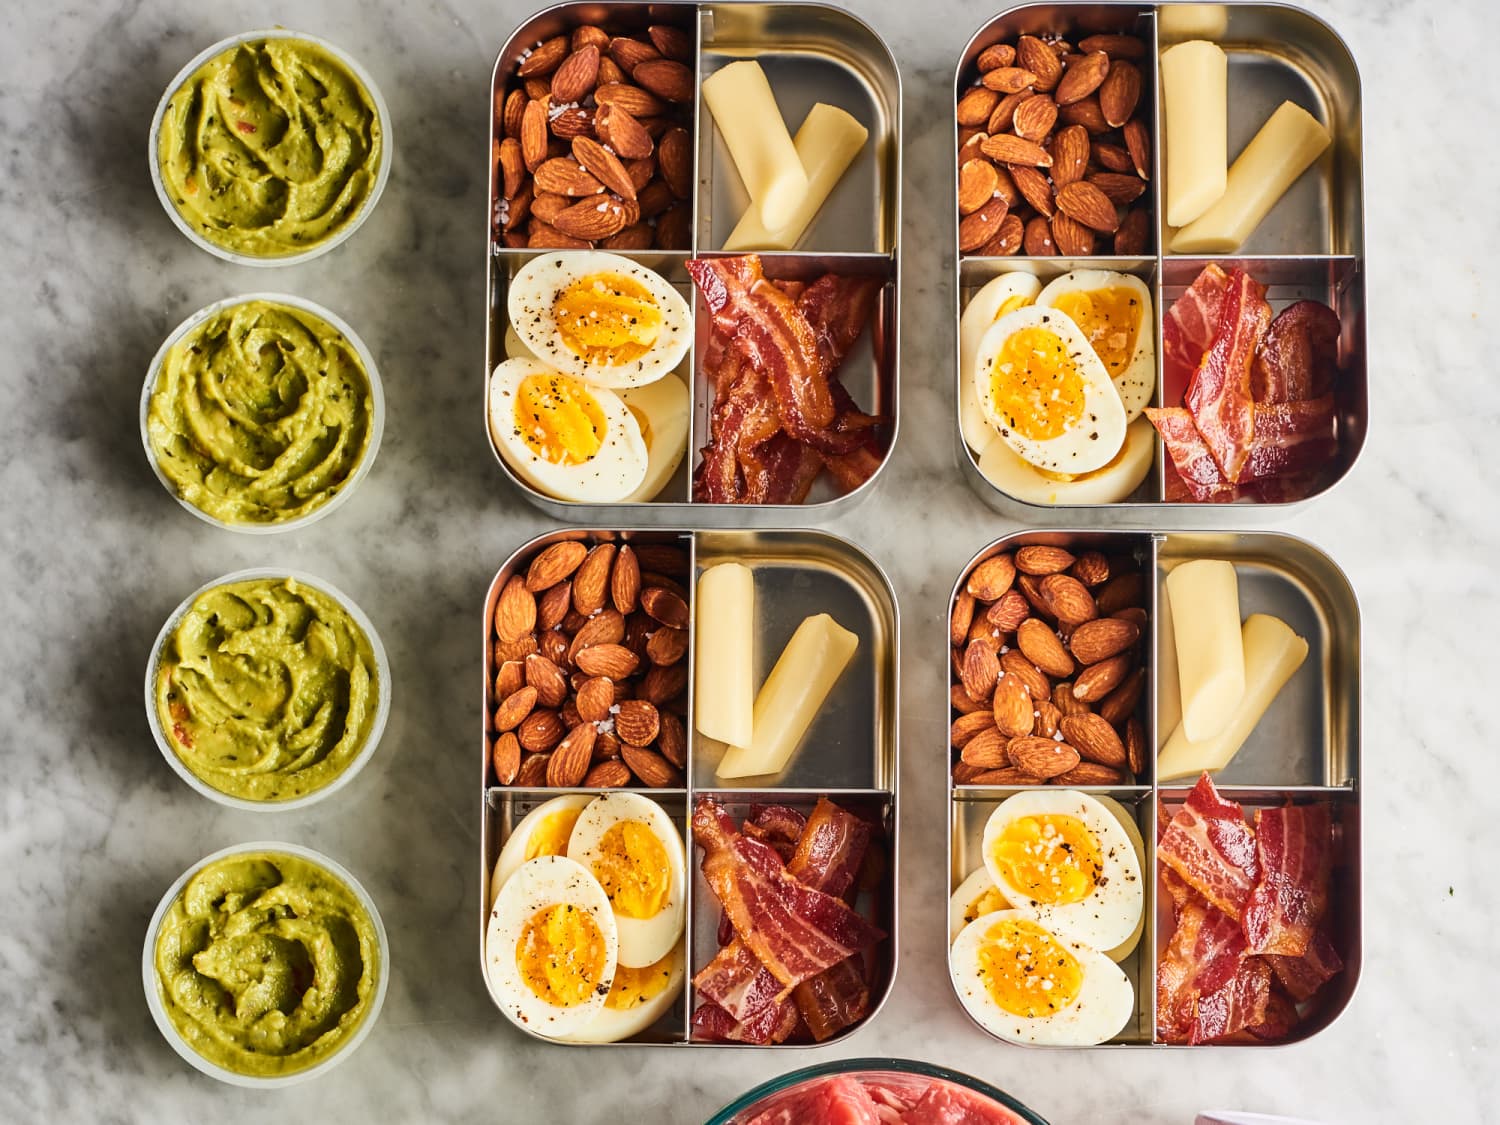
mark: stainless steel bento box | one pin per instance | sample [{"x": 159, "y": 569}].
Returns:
[
  {"x": 1306, "y": 748},
  {"x": 1310, "y": 246},
  {"x": 849, "y": 753},
  {"x": 810, "y": 53}
]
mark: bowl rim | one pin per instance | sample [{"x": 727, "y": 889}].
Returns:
[
  {"x": 383, "y": 679},
  {"x": 372, "y": 376},
  {"x": 382, "y": 172},
  {"x": 152, "y": 984},
  {"x": 748, "y": 1100}
]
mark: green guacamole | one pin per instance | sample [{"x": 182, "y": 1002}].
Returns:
[
  {"x": 260, "y": 414},
  {"x": 270, "y": 148},
  {"x": 267, "y": 689},
  {"x": 266, "y": 963}
]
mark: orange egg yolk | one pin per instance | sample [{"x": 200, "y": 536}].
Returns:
[
  {"x": 560, "y": 421},
  {"x": 633, "y": 868},
  {"x": 561, "y": 954},
  {"x": 1027, "y": 971},
  {"x": 1051, "y": 858},
  {"x": 1035, "y": 384},
  {"x": 634, "y": 987},
  {"x": 987, "y": 903},
  {"x": 607, "y": 319},
  {"x": 1110, "y": 318},
  {"x": 551, "y": 835}
]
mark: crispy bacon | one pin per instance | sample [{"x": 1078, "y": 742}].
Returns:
[
  {"x": 1188, "y": 328},
  {"x": 1292, "y": 845},
  {"x": 831, "y": 848},
  {"x": 1209, "y": 844},
  {"x": 1219, "y": 395},
  {"x": 833, "y": 1000},
  {"x": 1203, "y": 957},
  {"x": 1299, "y": 358},
  {"x": 1280, "y": 1018},
  {"x": 780, "y": 470},
  {"x": 1239, "y": 1003},
  {"x": 773, "y": 1023},
  {"x": 776, "y": 825},
  {"x": 1303, "y": 976},
  {"x": 1292, "y": 441},
  {"x": 736, "y": 981}
]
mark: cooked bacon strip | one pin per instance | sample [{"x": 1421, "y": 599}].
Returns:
[
  {"x": 833, "y": 1000},
  {"x": 1193, "y": 466},
  {"x": 1219, "y": 395},
  {"x": 831, "y": 848},
  {"x": 1292, "y": 846},
  {"x": 1299, "y": 358},
  {"x": 838, "y": 306},
  {"x": 773, "y": 1023},
  {"x": 780, "y": 470},
  {"x": 1203, "y": 957},
  {"x": 1280, "y": 1019},
  {"x": 1293, "y": 439},
  {"x": 1303, "y": 976},
  {"x": 794, "y": 931},
  {"x": 776, "y": 825},
  {"x": 737, "y": 982},
  {"x": 1209, "y": 844},
  {"x": 1187, "y": 330},
  {"x": 1239, "y": 1003}
]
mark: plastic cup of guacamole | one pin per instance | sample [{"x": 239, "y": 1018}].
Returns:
[
  {"x": 261, "y": 413},
  {"x": 270, "y": 147},
  {"x": 267, "y": 689},
  {"x": 265, "y": 964}
]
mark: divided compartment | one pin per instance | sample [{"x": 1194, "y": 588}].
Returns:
[
  {"x": 1310, "y": 245},
  {"x": 849, "y": 753},
  {"x": 810, "y": 53},
  {"x": 1305, "y": 748}
]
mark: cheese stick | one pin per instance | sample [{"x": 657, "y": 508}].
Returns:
[
  {"x": 724, "y": 694},
  {"x": 1287, "y": 144},
  {"x": 826, "y": 144},
  {"x": 745, "y": 111},
  {"x": 1177, "y": 22},
  {"x": 1272, "y": 653},
  {"x": 1210, "y": 660},
  {"x": 1194, "y": 81},
  {"x": 1168, "y": 681},
  {"x": 791, "y": 697}
]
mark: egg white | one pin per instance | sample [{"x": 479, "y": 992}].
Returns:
[
  {"x": 1104, "y": 1005},
  {"x": 1007, "y": 471},
  {"x": 613, "y": 473},
  {"x": 643, "y": 941},
  {"x": 976, "y": 884},
  {"x": 614, "y": 1024},
  {"x": 1001, "y": 294},
  {"x": 1113, "y": 910},
  {"x": 1087, "y": 443},
  {"x": 515, "y": 347},
  {"x": 537, "y": 884},
  {"x": 530, "y": 304},
  {"x": 666, "y": 408},
  {"x": 1133, "y": 831},
  {"x": 513, "y": 853},
  {"x": 1137, "y": 382}
]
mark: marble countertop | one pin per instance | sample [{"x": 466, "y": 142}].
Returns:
[{"x": 95, "y": 826}]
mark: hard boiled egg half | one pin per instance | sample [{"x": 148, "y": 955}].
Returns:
[
  {"x": 545, "y": 830},
  {"x": 1113, "y": 311},
  {"x": 999, "y": 296},
  {"x": 637, "y": 999},
  {"x": 599, "y": 317},
  {"x": 1027, "y": 983},
  {"x": 1042, "y": 387},
  {"x": 661, "y": 409},
  {"x": 1003, "y": 467},
  {"x": 567, "y": 438}
]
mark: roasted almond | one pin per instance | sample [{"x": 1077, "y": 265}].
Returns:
[
  {"x": 592, "y": 579},
  {"x": 986, "y": 750},
  {"x": 637, "y": 722},
  {"x": 1112, "y": 157},
  {"x": 565, "y": 176},
  {"x": 674, "y": 227},
  {"x": 672, "y": 42},
  {"x": 1015, "y": 665},
  {"x": 533, "y": 771},
  {"x": 675, "y": 157},
  {"x": 1085, "y": 113},
  {"x": 668, "y": 79},
  {"x": 1007, "y": 775},
  {"x": 962, "y": 702},
  {"x": 1003, "y": 117},
  {"x": 593, "y": 218},
  {"x": 512, "y": 166},
  {"x": 596, "y": 695},
  {"x": 1122, "y": 591},
  {"x": 1047, "y": 718},
  {"x": 1135, "y": 745},
  {"x": 553, "y": 564},
  {"x": 571, "y": 759},
  {"x": 667, "y": 645},
  {"x": 590, "y": 35},
  {"x": 551, "y": 685},
  {"x": 516, "y": 650},
  {"x": 613, "y": 660},
  {"x": 1119, "y": 188},
  {"x": 967, "y": 726},
  {"x": 997, "y": 55},
  {"x": 544, "y": 58},
  {"x": 541, "y": 730},
  {"x": 637, "y": 236},
  {"x": 1034, "y": 188},
  {"x": 980, "y": 669},
  {"x": 975, "y": 229},
  {"x": 1098, "y": 680},
  {"x": 623, "y": 133},
  {"x": 1007, "y": 239},
  {"x": 1007, "y": 79},
  {"x": 1015, "y": 150},
  {"x": 1039, "y": 58},
  {"x": 604, "y": 166},
  {"x": 510, "y": 115},
  {"x": 1115, "y": 46},
  {"x": 571, "y": 121},
  {"x": 1138, "y": 144},
  {"x": 1090, "y": 773},
  {"x": 663, "y": 683},
  {"x": 1082, "y": 78},
  {"x": 609, "y": 774},
  {"x": 1094, "y": 739},
  {"x": 1038, "y": 241},
  {"x": 630, "y": 53},
  {"x": 1119, "y": 92},
  {"x": 1134, "y": 236},
  {"x": 1015, "y": 714},
  {"x": 1040, "y": 560},
  {"x": 1070, "y": 153},
  {"x": 1008, "y": 612},
  {"x": 1091, "y": 568},
  {"x": 514, "y": 708},
  {"x": 553, "y": 606},
  {"x": 1040, "y": 645},
  {"x": 577, "y": 75},
  {"x": 991, "y": 578},
  {"x": 964, "y": 774},
  {"x": 665, "y": 606},
  {"x": 511, "y": 677},
  {"x": 975, "y": 107},
  {"x": 1067, "y": 703},
  {"x": 1031, "y": 589},
  {"x": 671, "y": 740},
  {"x": 1035, "y": 117},
  {"x": 1069, "y": 599},
  {"x": 632, "y": 99},
  {"x": 1102, "y": 638},
  {"x": 977, "y": 183},
  {"x": 515, "y": 610},
  {"x": 1074, "y": 240},
  {"x": 961, "y": 617},
  {"x": 1041, "y": 757},
  {"x": 548, "y": 205},
  {"x": 1119, "y": 705},
  {"x": 651, "y": 767},
  {"x": 505, "y": 755}
]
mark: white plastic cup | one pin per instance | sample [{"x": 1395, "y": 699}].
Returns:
[
  {"x": 377, "y": 409},
  {"x": 224, "y": 1074},
  {"x": 382, "y": 704},
  {"x": 382, "y": 173}
]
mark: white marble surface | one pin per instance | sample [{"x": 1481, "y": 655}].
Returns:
[{"x": 95, "y": 826}]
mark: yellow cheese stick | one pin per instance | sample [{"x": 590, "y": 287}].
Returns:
[
  {"x": 744, "y": 109},
  {"x": 1210, "y": 660},
  {"x": 1272, "y": 653},
  {"x": 1194, "y": 81},
  {"x": 1287, "y": 144},
  {"x": 826, "y": 144},
  {"x": 789, "y": 700},
  {"x": 1177, "y": 22},
  {"x": 724, "y": 694},
  {"x": 1168, "y": 681}
]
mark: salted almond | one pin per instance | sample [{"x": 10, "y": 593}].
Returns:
[
  {"x": 565, "y": 176},
  {"x": 1074, "y": 240},
  {"x": 1041, "y": 559},
  {"x": 595, "y": 698},
  {"x": 514, "y": 708},
  {"x": 1082, "y": 78},
  {"x": 593, "y": 218},
  {"x": 1120, "y": 92},
  {"x": 603, "y": 165},
  {"x": 668, "y": 79},
  {"x": 968, "y": 147},
  {"x": 671, "y": 41},
  {"x": 1007, "y": 239},
  {"x": 1070, "y": 154},
  {"x": 515, "y": 610},
  {"x": 1046, "y": 719},
  {"x": 651, "y": 767},
  {"x": 1067, "y": 703},
  {"x": 1070, "y": 600},
  {"x": 663, "y": 683},
  {"x": 1099, "y": 679},
  {"x": 553, "y": 564},
  {"x": 1031, "y": 589},
  {"x": 1134, "y": 236},
  {"x": 667, "y": 645},
  {"x": 1090, "y": 773},
  {"x": 623, "y": 133},
  {"x": 517, "y": 650},
  {"x": 609, "y": 774},
  {"x": 1094, "y": 739},
  {"x": 665, "y": 606},
  {"x": 962, "y": 702},
  {"x": 1041, "y": 757},
  {"x": 1003, "y": 117},
  {"x": 991, "y": 578},
  {"x": 553, "y": 606},
  {"x": 671, "y": 740},
  {"x": 505, "y": 755},
  {"x": 975, "y": 107},
  {"x": 551, "y": 685},
  {"x": 637, "y": 722},
  {"x": 576, "y": 76},
  {"x": 1016, "y": 666},
  {"x": 544, "y": 58},
  {"x": 975, "y": 229},
  {"x": 571, "y": 759},
  {"x": 981, "y": 667},
  {"x": 510, "y": 677},
  {"x": 1086, "y": 113},
  {"x": 571, "y": 121},
  {"x": 537, "y": 89},
  {"x": 1039, "y": 58},
  {"x": 1035, "y": 117},
  {"x": 1034, "y": 188},
  {"x": 533, "y": 135},
  {"x": 1112, "y": 157},
  {"x": 1038, "y": 241},
  {"x": 614, "y": 661},
  {"x": 1135, "y": 745},
  {"x": 1041, "y": 646},
  {"x": 961, "y": 617},
  {"x": 1138, "y": 144},
  {"x": 591, "y": 581},
  {"x": 967, "y": 726},
  {"x": 541, "y": 730},
  {"x": 633, "y": 100},
  {"x": 510, "y": 115},
  {"x": 674, "y": 155},
  {"x": 1118, "y": 188},
  {"x": 986, "y": 750},
  {"x": 1102, "y": 638},
  {"x": 548, "y": 205},
  {"x": 1016, "y": 150},
  {"x": 1119, "y": 705},
  {"x": 630, "y": 53},
  {"x": 977, "y": 183},
  {"x": 1015, "y": 714},
  {"x": 1116, "y": 46},
  {"x": 1007, "y": 79},
  {"x": 605, "y": 627},
  {"x": 1008, "y": 612},
  {"x": 997, "y": 55},
  {"x": 533, "y": 771}
]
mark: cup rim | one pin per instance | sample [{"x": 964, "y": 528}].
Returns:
[
  {"x": 382, "y": 705},
  {"x": 377, "y": 409},
  {"x": 382, "y": 173},
  {"x": 152, "y": 984}
]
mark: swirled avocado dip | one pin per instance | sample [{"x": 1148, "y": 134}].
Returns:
[
  {"x": 266, "y": 963},
  {"x": 260, "y": 414},
  {"x": 270, "y": 148},
  {"x": 267, "y": 689}
]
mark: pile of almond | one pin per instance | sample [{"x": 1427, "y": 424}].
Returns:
[
  {"x": 1054, "y": 152},
  {"x": 1048, "y": 678},
  {"x": 593, "y": 142},
  {"x": 590, "y": 668}
]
